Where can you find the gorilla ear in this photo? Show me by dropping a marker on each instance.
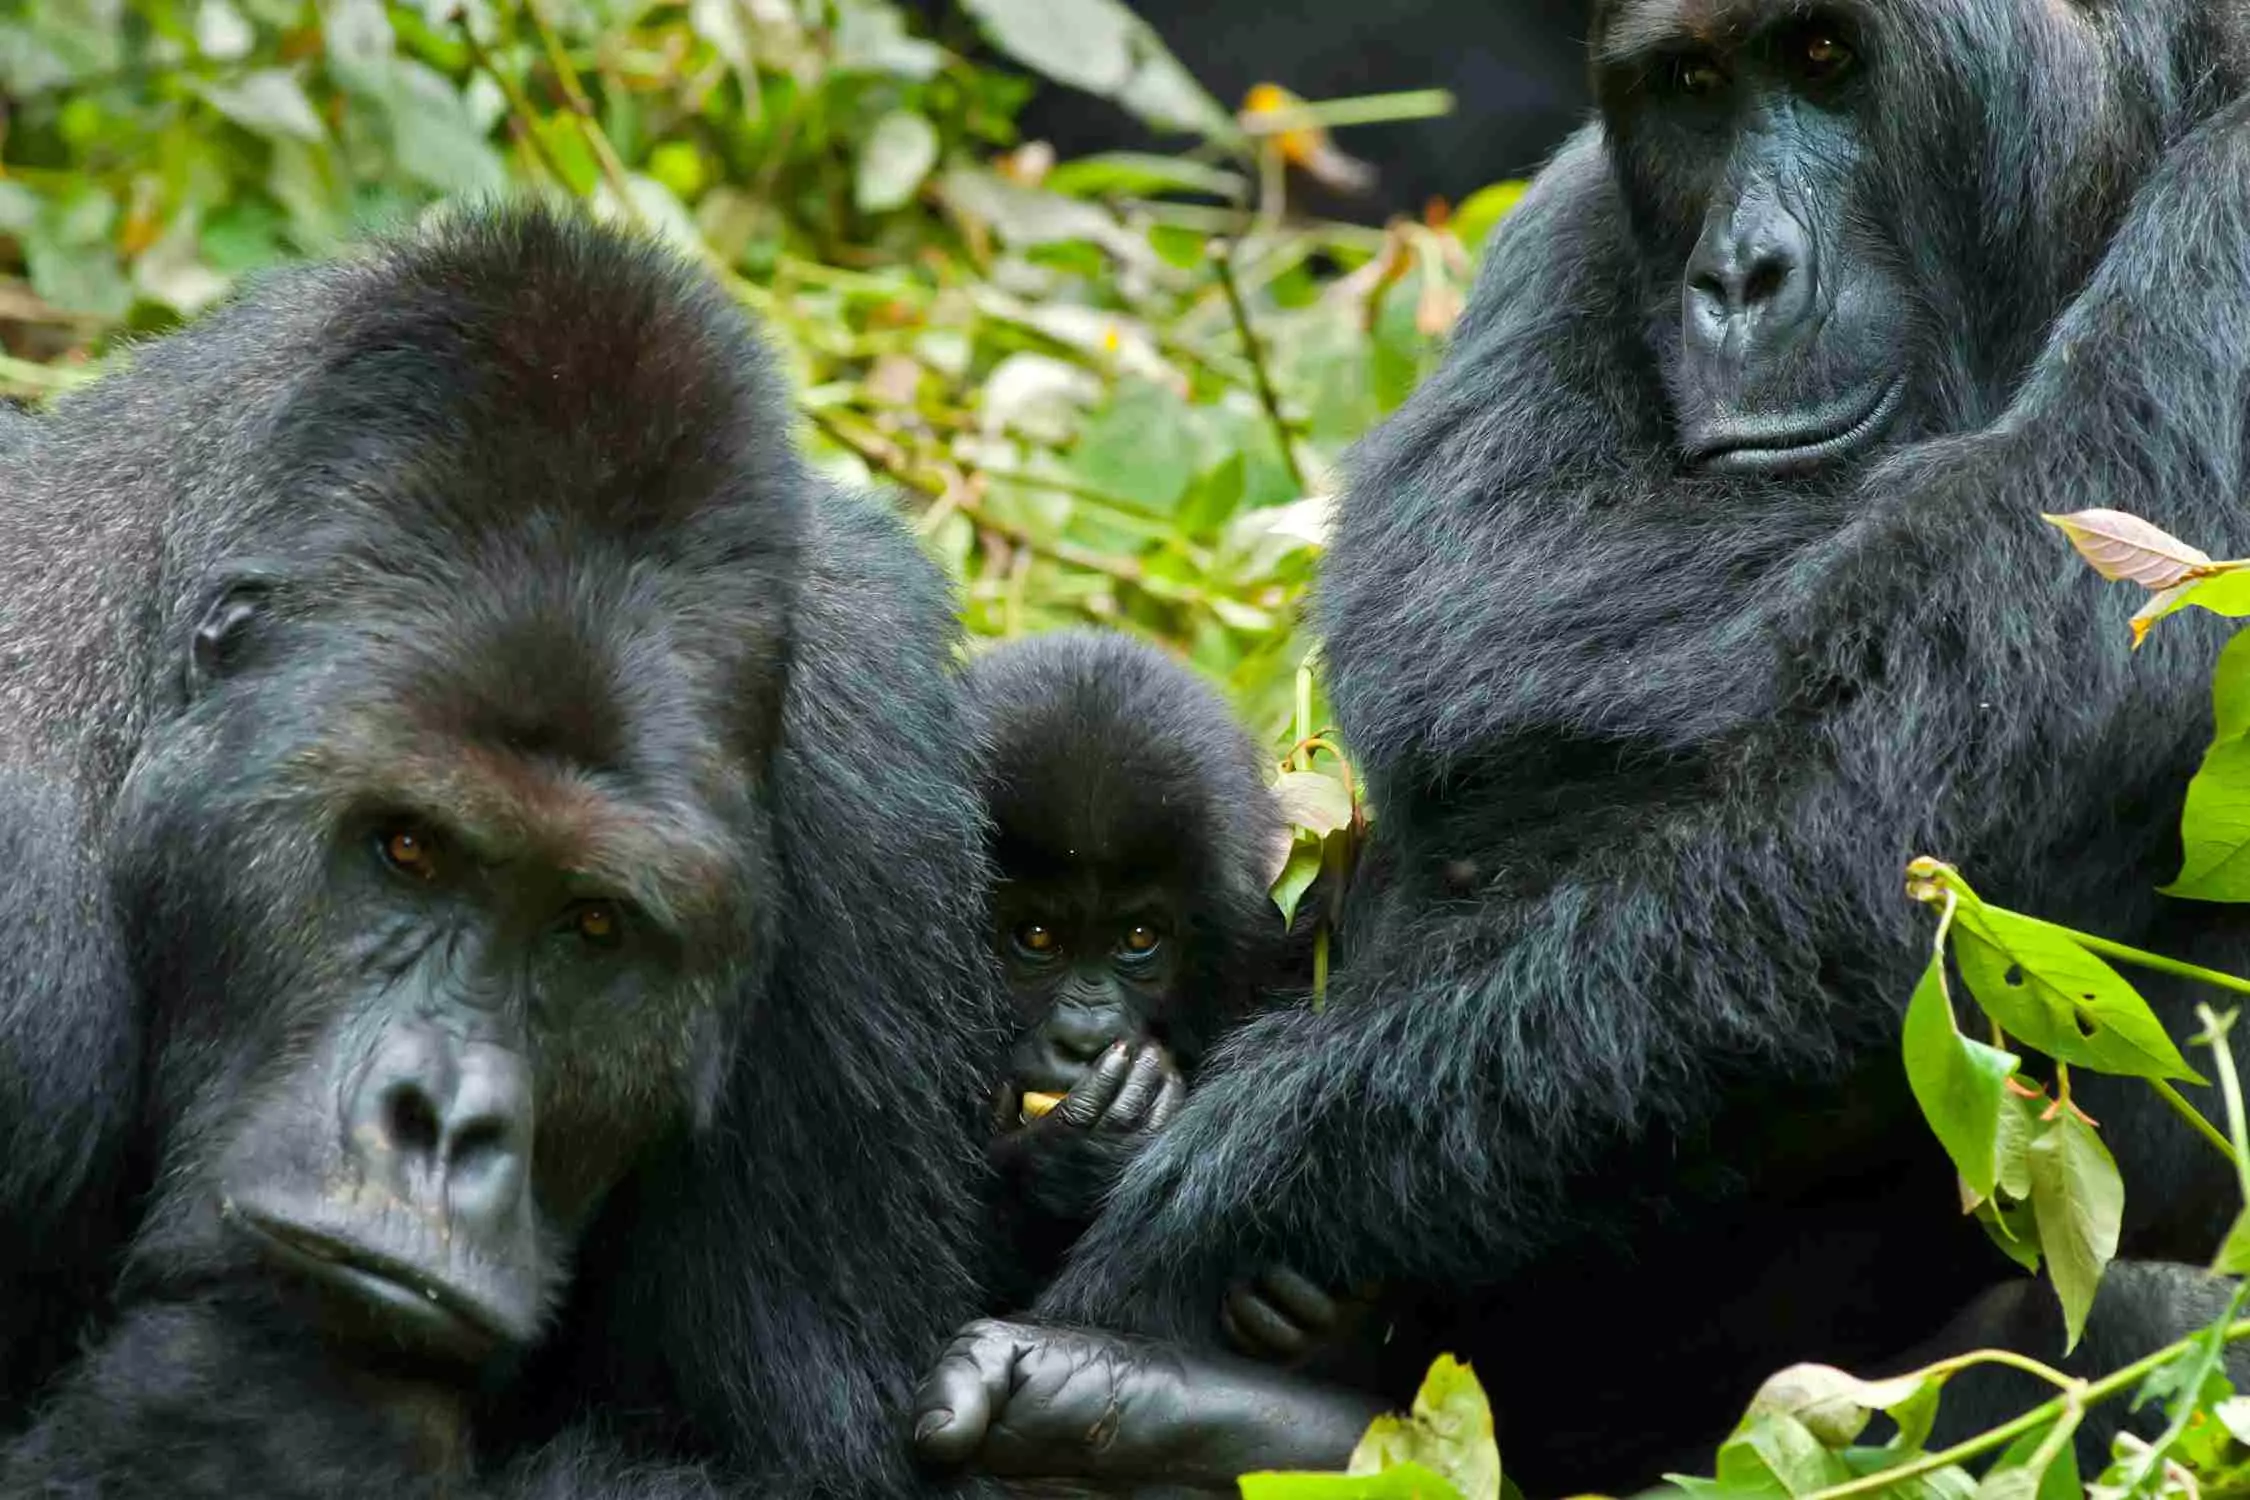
(223, 635)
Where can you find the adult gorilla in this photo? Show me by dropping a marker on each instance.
(472, 797)
(1703, 586)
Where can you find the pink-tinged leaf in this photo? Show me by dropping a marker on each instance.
(2126, 549)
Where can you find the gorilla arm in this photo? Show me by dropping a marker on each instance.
(1766, 759)
(1051, 1403)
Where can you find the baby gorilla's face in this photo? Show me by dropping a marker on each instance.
(1088, 970)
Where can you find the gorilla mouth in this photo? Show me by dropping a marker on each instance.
(1794, 444)
(380, 1295)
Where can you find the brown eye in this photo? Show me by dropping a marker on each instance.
(1035, 939)
(1822, 55)
(408, 851)
(1697, 75)
(1142, 939)
(597, 923)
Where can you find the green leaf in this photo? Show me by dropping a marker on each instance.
(1772, 1452)
(1297, 876)
(2233, 1258)
(2013, 1227)
(896, 157)
(1835, 1407)
(1449, 1432)
(1962, 1085)
(1481, 212)
(2215, 827)
(2079, 1201)
(1139, 175)
(1141, 448)
(1404, 1482)
(267, 102)
(435, 137)
(1102, 47)
(2011, 1476)
(2060, 999)
(2019, 1124)
(2225, 593)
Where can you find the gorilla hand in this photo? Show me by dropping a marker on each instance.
(1128, 1090)
(1031, 1401)
(1280, 1317)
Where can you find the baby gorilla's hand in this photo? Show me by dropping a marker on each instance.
(1127, 1090)
(1282, 1318)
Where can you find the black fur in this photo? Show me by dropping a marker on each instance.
(510, 417)
(1609, 1084)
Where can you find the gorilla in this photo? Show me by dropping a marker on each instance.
(1514, 69)
(1703, 586)
(492, 998)
(1132, 837)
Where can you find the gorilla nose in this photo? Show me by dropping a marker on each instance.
(445, 1124)
(1751, 268)
(1080, 1032)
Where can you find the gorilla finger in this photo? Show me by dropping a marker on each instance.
(961, 1398)
(1303, 1303)
(1129, 1111)
(1258, 1327)
(1168, 1101)
(1091, 1096)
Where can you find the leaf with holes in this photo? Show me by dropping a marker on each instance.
(2079, 1201)
(1962, 1085)
(2126, 549)
(2056, 997)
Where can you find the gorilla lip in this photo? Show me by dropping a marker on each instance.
(435, 1311)
(1755, 447)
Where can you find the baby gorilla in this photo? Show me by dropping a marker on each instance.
(1133, 838)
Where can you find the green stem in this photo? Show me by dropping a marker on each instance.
(2230, 1092)
(2195, 1117)
(2136, 956)
(2095, 1391)
(1223, 258)
(1360, 109)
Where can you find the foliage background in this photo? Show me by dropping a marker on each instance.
(1042, 360)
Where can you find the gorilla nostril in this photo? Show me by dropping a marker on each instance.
(1765, 282)
(411, 1121)
(478, 1145)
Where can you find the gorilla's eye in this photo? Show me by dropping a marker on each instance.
(408, 850)
(598, 923)
(1697, 75)
(1036, 940)
(1142, 940)
(1820, 55)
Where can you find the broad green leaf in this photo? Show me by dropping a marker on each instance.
(2019, 1125)
(434, 135)
(267, 102)
(2215, 827)
(2126, 549)
(2012, 1478)
(2079, 1201)
(2013, 1227)
(1139, 449)
(1102, 47)
(2230, 689)
(1297, 875)
(2060, 999)
(2225, 593)
(1962, 1085)
(1448, 1432)
(2233, 1258)
(1140, 175)
(1405, 1482)
(895, 158)
(1775, 1452)
(1834, 1406)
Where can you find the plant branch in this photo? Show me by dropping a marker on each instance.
(1222, 257)
(2094, 1391)
(582, 105)
(523, 115)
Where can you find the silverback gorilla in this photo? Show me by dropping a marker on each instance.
(482, 821)
(1703, 586)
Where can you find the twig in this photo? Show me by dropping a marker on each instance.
(1223, 258)
(582, 105)
(886, 457)
(523, 115)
